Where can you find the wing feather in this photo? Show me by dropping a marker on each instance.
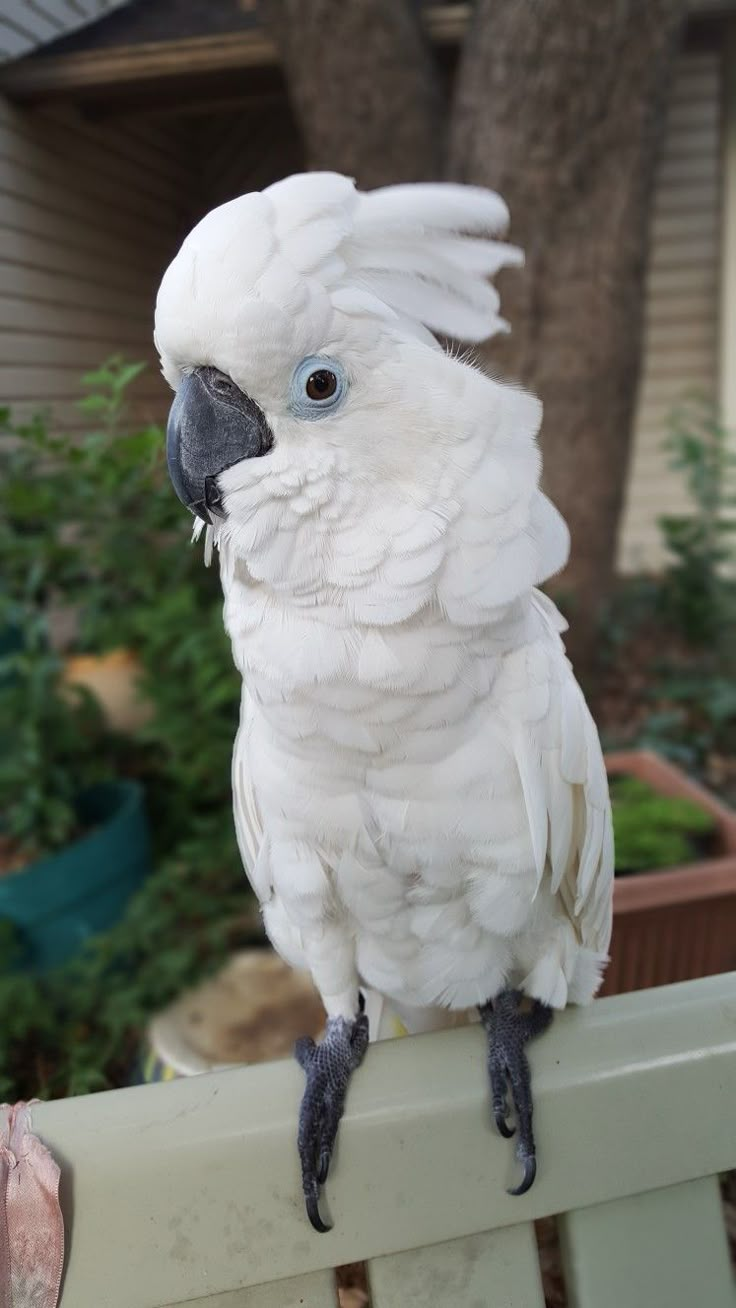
(565, 788)
(252, 843)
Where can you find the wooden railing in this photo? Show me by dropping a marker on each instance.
(189, 1191)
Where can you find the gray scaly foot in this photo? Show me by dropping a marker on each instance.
(328, 1066)
(509, 1027)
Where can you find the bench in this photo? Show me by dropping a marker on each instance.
(189, 1191)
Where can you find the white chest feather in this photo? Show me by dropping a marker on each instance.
(380, 770)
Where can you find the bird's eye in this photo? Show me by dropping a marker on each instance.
(321, 385)
(318, 386)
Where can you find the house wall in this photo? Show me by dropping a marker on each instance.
(681, 347)
(90, 214)
(246, 150)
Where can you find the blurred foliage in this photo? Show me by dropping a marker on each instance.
(51, 745)
(692, 715)
(654, 831)
(699, 591)
(669, 651)
(89, 526)
(79, 1029)
(51, 748)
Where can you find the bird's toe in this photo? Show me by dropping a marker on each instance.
(328, 1067)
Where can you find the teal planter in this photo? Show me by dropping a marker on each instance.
(54, 905)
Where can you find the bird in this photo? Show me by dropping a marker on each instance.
(419, 793)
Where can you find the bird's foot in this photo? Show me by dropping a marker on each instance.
(328, 1066)
(511, 1022)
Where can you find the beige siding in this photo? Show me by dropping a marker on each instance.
(682, 312)
(90, 213)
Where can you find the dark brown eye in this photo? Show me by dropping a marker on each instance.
(321, 385)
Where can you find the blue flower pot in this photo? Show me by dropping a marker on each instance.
(54, 905)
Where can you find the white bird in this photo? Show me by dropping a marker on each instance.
(420, 798)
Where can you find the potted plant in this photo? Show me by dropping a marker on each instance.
(674, 903)
(142, 616)
(97, 564)
(73, 835)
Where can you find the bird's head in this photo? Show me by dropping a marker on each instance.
(316, 416)
(295, 326)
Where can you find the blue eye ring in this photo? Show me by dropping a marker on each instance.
(318, 386)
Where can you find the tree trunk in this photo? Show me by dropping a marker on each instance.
(362, 82)
(560, 106)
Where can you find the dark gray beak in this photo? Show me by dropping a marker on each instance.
(212, 425)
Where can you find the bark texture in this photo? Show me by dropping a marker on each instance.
(362, 82)
(560, 106)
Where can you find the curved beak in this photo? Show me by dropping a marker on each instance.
(212, 426)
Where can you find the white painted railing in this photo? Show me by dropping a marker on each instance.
(189, 1191)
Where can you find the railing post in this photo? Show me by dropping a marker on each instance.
(496, 1269)
(663, 1249)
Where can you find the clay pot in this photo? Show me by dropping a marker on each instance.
(676, 923)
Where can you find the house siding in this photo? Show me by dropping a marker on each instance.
(682, 301)
(26, 25)
(90, 214)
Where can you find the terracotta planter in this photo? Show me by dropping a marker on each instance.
(677, 923)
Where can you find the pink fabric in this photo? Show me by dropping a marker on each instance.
(31, 1224)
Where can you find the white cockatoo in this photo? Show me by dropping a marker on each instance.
(420, 797)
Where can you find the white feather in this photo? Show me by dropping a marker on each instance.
(420, 797)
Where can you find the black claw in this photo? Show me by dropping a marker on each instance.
(530, 1172)
(502, 1125)
(313, 1214)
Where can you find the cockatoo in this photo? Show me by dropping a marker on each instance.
(420, 798)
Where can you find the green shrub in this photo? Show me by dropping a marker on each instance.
(51, 748)
(92, 525)
(698, 585)
(668, 651)
(652, 830)
(51, 745)
(79, 1029)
